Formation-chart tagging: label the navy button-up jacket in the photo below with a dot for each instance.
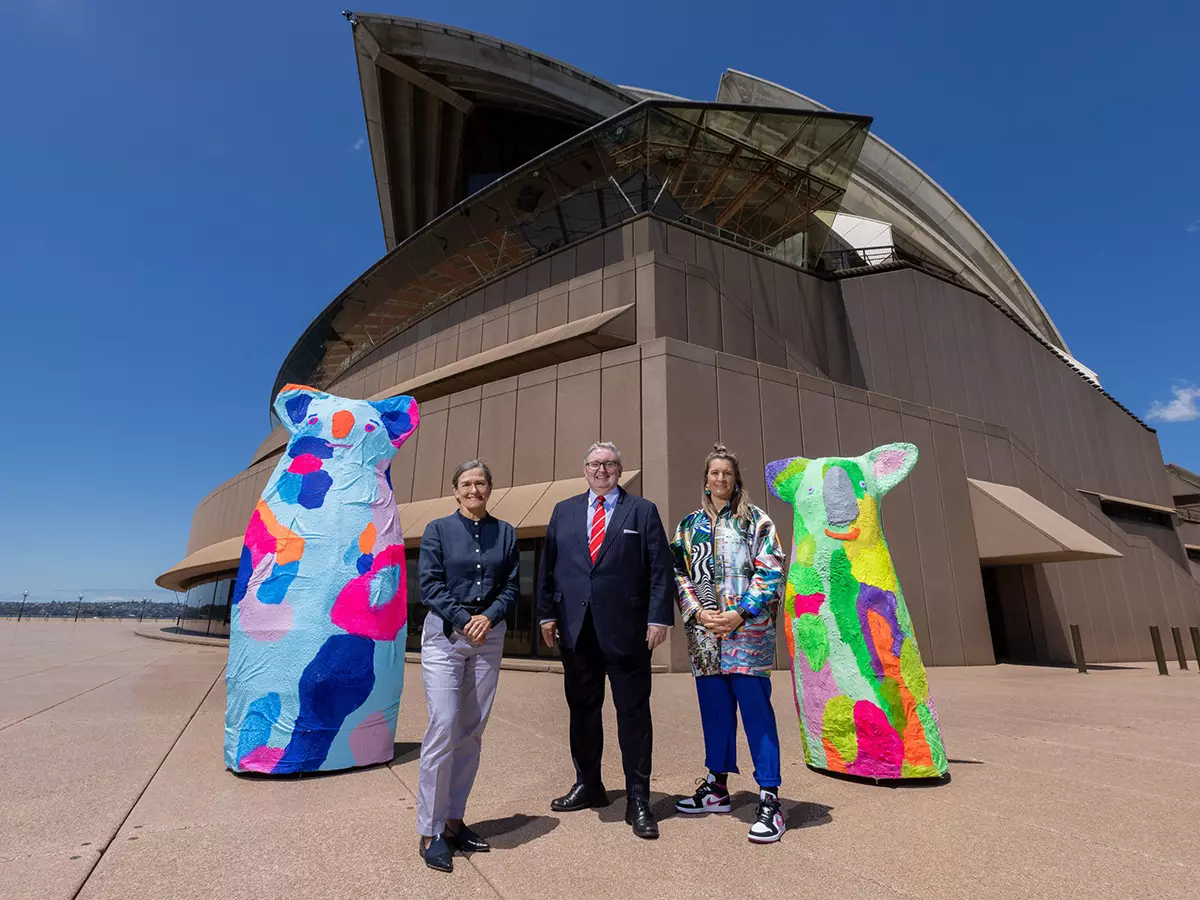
(469, 568)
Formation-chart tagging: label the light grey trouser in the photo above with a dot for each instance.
(460, 684)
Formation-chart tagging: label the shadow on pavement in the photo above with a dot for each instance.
(796, 813)
(515, 830)
(405, 751)
(894, 783)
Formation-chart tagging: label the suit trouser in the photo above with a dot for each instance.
(460, 684)
(584, 668)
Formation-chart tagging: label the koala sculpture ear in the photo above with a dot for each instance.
(890, 464)
(291, 405)
(400, 417)
(784, 477)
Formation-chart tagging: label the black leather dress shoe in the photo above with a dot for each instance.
(437, 855)
(467, 841)
(581, 797)
(638, 814)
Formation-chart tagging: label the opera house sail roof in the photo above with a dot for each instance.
(770, 179)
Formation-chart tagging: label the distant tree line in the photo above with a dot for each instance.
(102, 609)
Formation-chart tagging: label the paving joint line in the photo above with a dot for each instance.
(88, 691)
(138, 799)
(66, 665)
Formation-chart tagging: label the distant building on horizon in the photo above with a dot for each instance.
(569, 260)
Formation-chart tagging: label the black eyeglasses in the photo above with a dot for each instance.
(611, 466)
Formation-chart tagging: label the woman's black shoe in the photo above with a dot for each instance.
(437, 855)
(580, 797)
(467, 840)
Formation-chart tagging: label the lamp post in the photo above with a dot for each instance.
(77, 605)
(145, 600)
(24, 597)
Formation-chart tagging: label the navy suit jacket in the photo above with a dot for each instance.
(631, 584)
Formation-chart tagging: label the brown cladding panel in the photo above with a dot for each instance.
(737, 331)
(589, 255)
(973, 380)
(462, 441)
(470, 342)
(934, 356)
(703, 312)
(898, 353)
(670, 303)
(681, 244)
(812, 321)
(522, 323)
(974, 312)
(552, 307)
(1047, 384)
(534, 448)
(877, 340)
(621, 410)
(1079, 434)
(739, 428)
(975, 454)
(431, 452)
(856, 321)
(614, 246)
(854, 427)
(840, 364)
(899, 527)
(403, 466)
(737, 275)
(447, 352)
(620, 289)
(497, 431)
(1000, 457)
(787, 300)
(562, 266)
(762, 295)
(769, 349)
(819, 425)
(516, 285)
(692, 413)
(709, 255)
(903, 297)
(1139, 615)
(577, 422)
(782, 439)
(585, 300)
(964, 554)
(945, 644)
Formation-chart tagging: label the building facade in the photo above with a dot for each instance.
(570, 261)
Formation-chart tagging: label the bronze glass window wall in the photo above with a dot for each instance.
(206, 607)
(523, 637)
(765, 178)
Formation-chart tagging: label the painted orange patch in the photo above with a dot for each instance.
(298, 387)
(289, 546)
(343, 421)
(366, 540)
(851, 535)
(833, 759)
(916, 748)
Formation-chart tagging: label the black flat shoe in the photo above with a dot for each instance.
(437, 855)
(467, 841)
(580, 797)
(638, 814)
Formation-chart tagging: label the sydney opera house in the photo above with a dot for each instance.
(570, 260)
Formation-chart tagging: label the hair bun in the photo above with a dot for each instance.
(720, 448)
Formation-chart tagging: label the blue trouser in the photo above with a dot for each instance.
(720, 696)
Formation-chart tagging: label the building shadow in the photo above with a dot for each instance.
(796, 813)
(513, 831)
(965, 762)
(405, 751)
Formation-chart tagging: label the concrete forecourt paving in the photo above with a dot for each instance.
(113, 787)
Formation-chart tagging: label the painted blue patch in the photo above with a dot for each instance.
(384, 585)
(364, 563)
(313, 488)
(387, 473)
(318, 447)
(393, 412)
(245, 570)
(275, 588)
(336, 683)
(256, 727)
(297, 407)
(289, 487)
(351, 554)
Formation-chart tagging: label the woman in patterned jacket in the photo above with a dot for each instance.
(729, 568)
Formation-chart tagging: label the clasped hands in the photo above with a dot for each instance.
(476, 630)
(721, 624)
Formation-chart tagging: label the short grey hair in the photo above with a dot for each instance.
(604, 445)
(467, 467)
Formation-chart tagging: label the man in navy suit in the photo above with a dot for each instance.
(606, 594)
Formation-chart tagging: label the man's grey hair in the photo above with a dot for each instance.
(604, 445)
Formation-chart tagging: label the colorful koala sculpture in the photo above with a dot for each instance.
(861, 689)
(320, 606)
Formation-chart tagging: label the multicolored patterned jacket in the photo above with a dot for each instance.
(740, 567)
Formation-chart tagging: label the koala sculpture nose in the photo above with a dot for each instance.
(343, 423)
(841, 506)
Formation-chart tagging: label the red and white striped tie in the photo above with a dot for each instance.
(597, 534)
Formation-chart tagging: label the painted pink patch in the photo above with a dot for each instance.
(888, 462)
(264, 621)
(352, 610)
(880, 749)
(372, 740)
(304, 463)
(258, 539)
(261, 759)
(808, 603)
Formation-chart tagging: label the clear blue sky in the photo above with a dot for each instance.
(180, 192)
